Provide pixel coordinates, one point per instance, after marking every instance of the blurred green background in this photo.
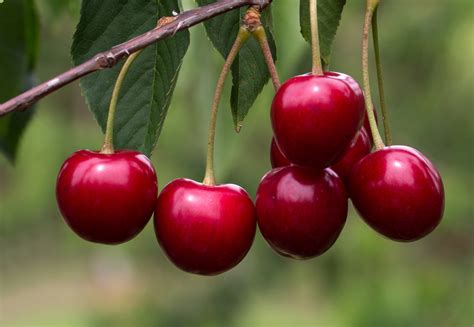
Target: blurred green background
(51, 277)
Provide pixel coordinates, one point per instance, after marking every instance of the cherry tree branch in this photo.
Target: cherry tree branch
(110, 58)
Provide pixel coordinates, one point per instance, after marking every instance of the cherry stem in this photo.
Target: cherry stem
(378, 63)
(315, 51)
(261, 37)
(242, 36)
(108, 147)
(371, 5)
(252, 22)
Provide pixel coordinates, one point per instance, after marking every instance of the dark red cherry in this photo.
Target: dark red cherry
(277, 158)
(315, 118)
(359, 148)
(107, 198)
(301, 211)
(204, 229)
(398, 192)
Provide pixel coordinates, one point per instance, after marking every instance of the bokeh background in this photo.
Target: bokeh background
(51, 277)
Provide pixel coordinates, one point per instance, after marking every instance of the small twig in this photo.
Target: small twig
(108, 59)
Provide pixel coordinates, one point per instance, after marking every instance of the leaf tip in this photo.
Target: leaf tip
(238, 127)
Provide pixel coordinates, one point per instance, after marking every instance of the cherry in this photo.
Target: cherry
(398, 192)
(277, 158)
(204, 229)
(358, 149)
(315, 117)
(301, 211)
(106, 198)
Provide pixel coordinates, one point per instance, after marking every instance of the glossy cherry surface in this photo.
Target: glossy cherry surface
(277, 158)
(204, 229)
(398, 192)
(315, 118)
(359, 148)
(107, 198)
(301, 211)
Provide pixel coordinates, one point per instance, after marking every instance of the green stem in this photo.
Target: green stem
(261, 37)
(242, 36)
(383, 105)
(108, 147)
(315, 51)
(371, 5)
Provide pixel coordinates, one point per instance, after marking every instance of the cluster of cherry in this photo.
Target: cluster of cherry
(324, 145)
(321, 155)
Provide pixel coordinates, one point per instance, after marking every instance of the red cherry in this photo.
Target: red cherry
(315, 118)
(277, 158)
(398, 192)
(106, 198)
(359, 148)
(301, 211)
(204, 229)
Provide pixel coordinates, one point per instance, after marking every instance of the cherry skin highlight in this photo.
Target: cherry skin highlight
(301, 211)
(107, 198)
(354, 86)
(315, 118)
(358, 149)
(204, 229)
(398, 192)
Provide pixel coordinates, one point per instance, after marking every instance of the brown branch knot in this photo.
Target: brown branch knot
(251, 20)
(105, 60)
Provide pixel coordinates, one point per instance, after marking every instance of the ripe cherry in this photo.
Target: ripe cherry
(277, 158)
(106, 198)
(315, 118)
(204, 229)
(398, 192)
(301, 211)
(358, 149)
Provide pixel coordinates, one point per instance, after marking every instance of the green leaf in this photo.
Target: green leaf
(329, 15)
(148, 87)
(249, 71)
(18, 51)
